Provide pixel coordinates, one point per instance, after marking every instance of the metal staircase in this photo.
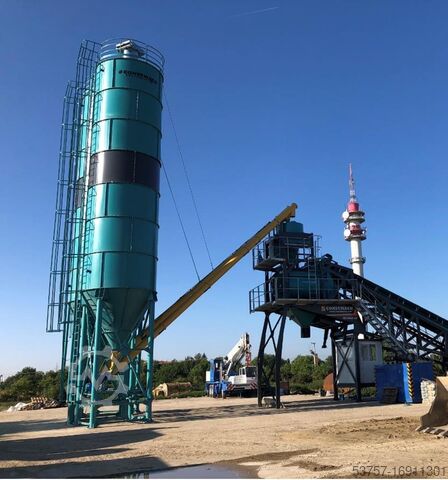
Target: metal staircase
(410, 329)
(372, 318)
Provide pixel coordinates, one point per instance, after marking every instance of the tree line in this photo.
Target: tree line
(300, 372)
(28, 383)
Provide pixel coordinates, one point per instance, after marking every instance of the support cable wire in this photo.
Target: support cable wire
(180, 221)
(188, 181)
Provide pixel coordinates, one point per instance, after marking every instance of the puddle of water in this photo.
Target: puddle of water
(197, 471)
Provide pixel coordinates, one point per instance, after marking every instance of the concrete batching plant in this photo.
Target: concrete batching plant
(102, 290)
(103, 268)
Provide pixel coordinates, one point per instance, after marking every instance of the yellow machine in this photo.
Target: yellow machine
(436, 420)
(168, 389)
(119, 361)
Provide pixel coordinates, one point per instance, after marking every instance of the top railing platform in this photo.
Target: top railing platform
(116, 48)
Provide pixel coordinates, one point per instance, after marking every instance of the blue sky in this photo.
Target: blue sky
(271, 101)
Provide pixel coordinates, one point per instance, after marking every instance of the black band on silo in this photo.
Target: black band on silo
(123, 166)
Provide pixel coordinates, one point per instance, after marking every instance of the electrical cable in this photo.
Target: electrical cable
(188, 181)
(180, 221)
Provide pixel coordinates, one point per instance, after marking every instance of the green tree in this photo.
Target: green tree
(286, 371)
(197, 373)
(21, 386)
(191, 369)
(302, 369)
(49, 384)
(269, 362)
(320, 372)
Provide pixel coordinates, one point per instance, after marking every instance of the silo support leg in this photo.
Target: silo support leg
(62, 381)
(80, 367)
(94, 379)
(130, 409)
(123, 409)
(131, 386)
(134, 375)
(149, 374)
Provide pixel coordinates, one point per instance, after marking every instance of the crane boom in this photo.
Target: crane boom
(166, 318)
(241, 348)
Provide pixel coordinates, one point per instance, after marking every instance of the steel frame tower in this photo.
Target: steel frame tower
(353, 218)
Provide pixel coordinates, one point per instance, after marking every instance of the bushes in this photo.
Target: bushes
(192, 370)
(191, 393)
(301, 373)
(30, 383)
(295, 388)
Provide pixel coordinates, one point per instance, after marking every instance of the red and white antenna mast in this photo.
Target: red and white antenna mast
(354, 233)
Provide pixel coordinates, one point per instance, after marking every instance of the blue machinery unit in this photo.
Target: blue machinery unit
(103, 268)
(406, 377)
(215, 384)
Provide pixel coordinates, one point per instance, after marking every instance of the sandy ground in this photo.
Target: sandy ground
(310, 437)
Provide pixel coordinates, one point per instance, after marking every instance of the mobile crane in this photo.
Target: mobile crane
(119, 360)
(222, 380)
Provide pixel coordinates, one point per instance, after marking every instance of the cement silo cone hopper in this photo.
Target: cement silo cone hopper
(123, 194)
(438, 413)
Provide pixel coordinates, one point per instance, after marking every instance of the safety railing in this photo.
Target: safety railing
(292, 290)
(278, 249)
(117, 48)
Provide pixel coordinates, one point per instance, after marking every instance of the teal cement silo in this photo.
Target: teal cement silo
(103, 287)
(123, 191)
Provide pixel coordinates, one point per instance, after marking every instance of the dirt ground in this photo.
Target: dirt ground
(311, 437)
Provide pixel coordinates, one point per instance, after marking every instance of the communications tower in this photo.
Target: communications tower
(354, 233)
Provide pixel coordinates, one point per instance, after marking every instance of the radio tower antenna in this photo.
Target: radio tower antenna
(353, 218)
(351, 183)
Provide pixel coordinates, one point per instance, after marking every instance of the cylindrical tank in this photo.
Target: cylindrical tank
(123, 186)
